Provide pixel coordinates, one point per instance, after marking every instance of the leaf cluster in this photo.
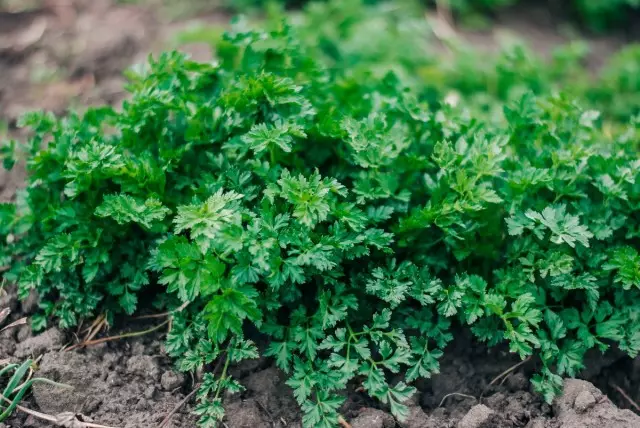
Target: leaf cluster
(331, 199)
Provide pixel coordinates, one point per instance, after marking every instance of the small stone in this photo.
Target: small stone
(584, 401)
(23, 333)
(171, 380)
(114, 379)
(373, 418)
(478, 417)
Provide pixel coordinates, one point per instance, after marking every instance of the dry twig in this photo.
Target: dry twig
(264, 409)
(4, 314)
(626, 396)
(119, 336)
(343, 423)
(509, 370)
(167, 418)
(66, 419)
(163, 314)
(457, 394)
(21, 321)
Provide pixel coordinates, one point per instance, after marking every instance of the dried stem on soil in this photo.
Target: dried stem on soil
(96, 329)
(57, 420)
(343, 423)
(167, 418)
(457, 394)
(95, 322)
(626, 396)
(16, 323)
(119, 336)
(163, 314)
(267, 412)
(4, 313)
(506, 372)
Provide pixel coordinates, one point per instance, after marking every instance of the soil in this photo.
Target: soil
(72, 53)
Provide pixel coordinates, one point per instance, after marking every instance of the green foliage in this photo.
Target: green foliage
(321, 188)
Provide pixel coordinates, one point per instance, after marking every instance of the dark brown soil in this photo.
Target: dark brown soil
(72, 53)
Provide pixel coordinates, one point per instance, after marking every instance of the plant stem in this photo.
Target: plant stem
(223, 375)
(120, 336)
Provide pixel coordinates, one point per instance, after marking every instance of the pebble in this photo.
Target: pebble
(584, 401)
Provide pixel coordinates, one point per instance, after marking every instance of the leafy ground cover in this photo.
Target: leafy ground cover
(349, 203)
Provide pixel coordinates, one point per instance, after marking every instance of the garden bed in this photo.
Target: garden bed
(56, 60)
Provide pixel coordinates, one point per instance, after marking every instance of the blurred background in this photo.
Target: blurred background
(61, 54)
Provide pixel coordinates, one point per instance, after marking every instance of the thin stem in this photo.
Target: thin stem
(41, 380)
(223, 375)
(343, 423)
(167, 418)
(120, 336)
(52, 419)
(164, 314)
(626, 396)
(458, 394)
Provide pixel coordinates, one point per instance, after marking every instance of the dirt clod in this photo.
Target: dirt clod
(143, 365)
(417, 418)
(50, 340)
(582, 405)
(480, 416)
(171, 380)
(23, 333)
(584, 401)
(373, 418)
